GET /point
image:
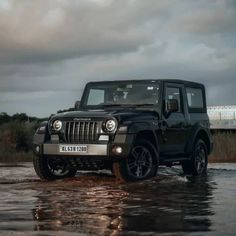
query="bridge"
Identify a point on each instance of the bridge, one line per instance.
(222, 117)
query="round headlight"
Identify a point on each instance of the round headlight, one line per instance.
(57, 125)
(110, 125)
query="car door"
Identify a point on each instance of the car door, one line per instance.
(174, 130)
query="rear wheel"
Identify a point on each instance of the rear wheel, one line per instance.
(198, 163)
(141, 164)
(52, 168)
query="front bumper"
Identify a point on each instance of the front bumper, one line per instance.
(93, 150)
(100, 150)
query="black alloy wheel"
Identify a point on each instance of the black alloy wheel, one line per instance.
(141, 164)
(200, 158)
(52, 168)
(198, 163)
(58, 166)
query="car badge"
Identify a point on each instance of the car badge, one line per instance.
(82, 119)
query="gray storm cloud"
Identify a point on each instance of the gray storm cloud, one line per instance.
(50, 49)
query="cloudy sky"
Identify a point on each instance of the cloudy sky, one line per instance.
(49, 49)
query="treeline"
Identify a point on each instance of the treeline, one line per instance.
(16, 136)
(18, 117)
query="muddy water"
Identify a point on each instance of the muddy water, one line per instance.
(94, 204)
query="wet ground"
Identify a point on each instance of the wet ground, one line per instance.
(94, 204)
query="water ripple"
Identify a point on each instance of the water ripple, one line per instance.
(96, 204)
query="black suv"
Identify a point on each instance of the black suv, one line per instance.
(130, 127)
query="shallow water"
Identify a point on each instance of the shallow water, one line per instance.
(95, 204)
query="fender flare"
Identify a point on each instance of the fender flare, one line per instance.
(41, 136)
(199, 131)
(141, 127)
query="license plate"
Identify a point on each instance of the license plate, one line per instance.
(73, 148)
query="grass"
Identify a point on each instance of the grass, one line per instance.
(224, 147)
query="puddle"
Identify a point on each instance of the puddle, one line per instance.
(96, 204)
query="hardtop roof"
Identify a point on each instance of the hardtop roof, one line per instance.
(177, 81)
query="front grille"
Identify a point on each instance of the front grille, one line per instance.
(81, 132)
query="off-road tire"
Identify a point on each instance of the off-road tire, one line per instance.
(199, 160)
(43, 170)
(148, 163)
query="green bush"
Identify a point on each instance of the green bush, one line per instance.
(16, 137)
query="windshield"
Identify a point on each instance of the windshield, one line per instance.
(136, 93)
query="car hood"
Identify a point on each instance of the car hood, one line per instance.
(121, 114)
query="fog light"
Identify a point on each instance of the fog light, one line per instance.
(103, 138)
(118, 150)
(37, 149)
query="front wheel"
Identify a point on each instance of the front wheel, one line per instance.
(52, 168)
(141, 164)
(198, 163)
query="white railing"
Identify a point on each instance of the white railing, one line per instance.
(222, 117)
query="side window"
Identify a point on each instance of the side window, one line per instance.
(195, 98)
(174, 93)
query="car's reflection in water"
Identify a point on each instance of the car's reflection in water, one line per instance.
(98, 205)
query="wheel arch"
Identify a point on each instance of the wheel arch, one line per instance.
(144, 130)
(201, 133)
(41, 136)
(148, 135)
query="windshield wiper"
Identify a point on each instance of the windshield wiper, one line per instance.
(110, 105)
(144, 104)
(127, 105)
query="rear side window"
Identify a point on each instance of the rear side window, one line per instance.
(195, 99)
(174, 93)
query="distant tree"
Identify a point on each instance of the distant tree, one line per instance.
(4, 118)
(22, 117)
(19, 117)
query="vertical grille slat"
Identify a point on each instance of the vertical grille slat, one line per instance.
(95, 131)
(73, 133)
(68, 131)
(71, 129)
(77, 132)
(81, 131)
(88, 130)
(92, 133)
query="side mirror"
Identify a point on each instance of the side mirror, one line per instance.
(172, 105)
(77, 104)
